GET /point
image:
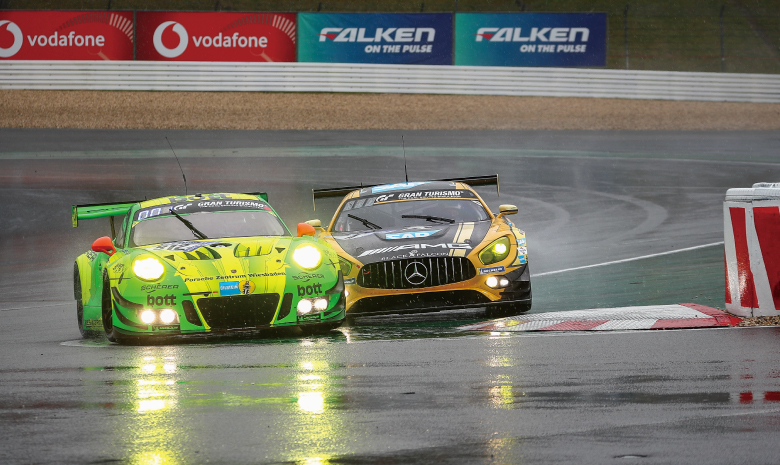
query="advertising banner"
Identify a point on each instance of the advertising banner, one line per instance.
(171, 35)
(531, 39)
(66, 35)
(418, 38)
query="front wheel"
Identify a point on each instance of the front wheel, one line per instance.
(108, 310)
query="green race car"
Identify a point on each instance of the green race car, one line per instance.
(205, 263)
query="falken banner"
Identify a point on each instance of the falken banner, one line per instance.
(531, 39)
(247, 37)
(66, 35)
(417, 38)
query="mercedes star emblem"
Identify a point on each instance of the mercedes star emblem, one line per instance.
(416, 273)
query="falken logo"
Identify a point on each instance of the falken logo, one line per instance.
(414, 246)
(411, 234)
(544, 34)
(390, 34)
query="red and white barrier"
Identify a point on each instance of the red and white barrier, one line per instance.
(677, 316)
(752, 244)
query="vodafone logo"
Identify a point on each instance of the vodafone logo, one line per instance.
(18, 39)
(161, 48)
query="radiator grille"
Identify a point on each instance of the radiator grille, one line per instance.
(239, 311)
(396, 274)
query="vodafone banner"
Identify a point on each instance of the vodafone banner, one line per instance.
(215, 36)
(66, 35)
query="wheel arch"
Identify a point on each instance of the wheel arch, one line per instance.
(85, 269)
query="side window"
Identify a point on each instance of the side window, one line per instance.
(119, 241)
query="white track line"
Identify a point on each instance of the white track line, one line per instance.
(628, 259)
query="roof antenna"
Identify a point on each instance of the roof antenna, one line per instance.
(403, 144)
(177, 161)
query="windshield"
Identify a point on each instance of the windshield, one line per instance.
(403, 214)
(212, 224)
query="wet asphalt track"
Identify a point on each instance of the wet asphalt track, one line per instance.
(406, 389)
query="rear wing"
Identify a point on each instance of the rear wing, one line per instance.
(342, 191)
(101, 210)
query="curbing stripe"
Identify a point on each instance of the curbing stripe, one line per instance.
(688, 315)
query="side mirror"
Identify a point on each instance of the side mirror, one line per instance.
(305, 229)
(507, 209)
(105, 245)
(315, 223)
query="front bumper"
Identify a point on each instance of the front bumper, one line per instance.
(466, 294)
(225, 314)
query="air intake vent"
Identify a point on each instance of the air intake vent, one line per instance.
(415, 273)
(239, 311)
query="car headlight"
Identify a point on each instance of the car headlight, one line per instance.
(167, 316)
(495, 252)
(148, 316)
(346, 266)
(307, 257)
(148, 269)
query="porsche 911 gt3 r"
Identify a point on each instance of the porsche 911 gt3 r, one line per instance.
(203, 264)
(429, 245)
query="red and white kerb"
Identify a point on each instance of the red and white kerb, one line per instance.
(613, 319)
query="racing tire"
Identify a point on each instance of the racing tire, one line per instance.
(108, 310)
(80, 304)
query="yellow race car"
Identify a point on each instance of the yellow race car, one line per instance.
(427, 246)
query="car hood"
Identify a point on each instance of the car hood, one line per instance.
(417, 241)
(224, 258)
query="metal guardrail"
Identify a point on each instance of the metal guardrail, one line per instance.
(374, 78)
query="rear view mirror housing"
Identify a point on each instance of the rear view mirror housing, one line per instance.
(305, 229)
(506, 209)
(105, 245)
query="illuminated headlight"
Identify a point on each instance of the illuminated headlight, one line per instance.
(148, 269)
(495, 251)
(497, 282)
(307, 256)
(148, 316)
(320, 304)
(167, 316)
(304, 307)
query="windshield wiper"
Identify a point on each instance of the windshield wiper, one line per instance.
(364, 221)
(430, 218)
(189, 225)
